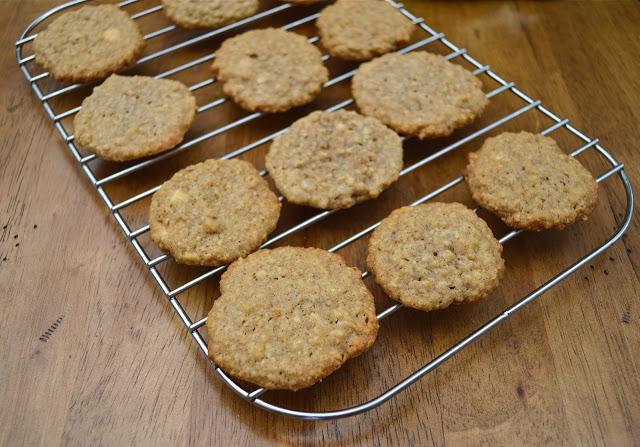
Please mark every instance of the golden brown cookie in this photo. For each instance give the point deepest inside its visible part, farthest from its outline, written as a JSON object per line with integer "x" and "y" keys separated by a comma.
{"x": 208, "y": 13}
{"x": 129, "y": 117}
{"x": 289, "y": 317}
{"x": 431, "y": 256}
{"x": 212, "y": 213}
{"x": 270, "y": 70}
{"x": 88, "y": 44}
{"x": 359, "y": 30}
{"x": 530, "y": 183}
{"x": 418, "y": 94}
{"x": 334, "y": 160}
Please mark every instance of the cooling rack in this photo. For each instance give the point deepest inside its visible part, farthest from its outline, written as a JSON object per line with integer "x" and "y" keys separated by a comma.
{"x": 172, "y": 292}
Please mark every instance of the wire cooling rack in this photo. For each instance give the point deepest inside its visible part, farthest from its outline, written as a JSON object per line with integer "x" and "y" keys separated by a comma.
{"x": 172, "y": 292}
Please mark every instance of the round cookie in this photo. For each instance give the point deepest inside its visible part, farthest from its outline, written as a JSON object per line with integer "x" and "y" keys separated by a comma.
{"x": 530, "y": 183}
{"x": 88, "y": 44}
{"x": 431, "y": 256}
{"x": 289, "y": 317}
{"x": 418, "y": 94}
{"x": 212, "y": 213}
{"x": 270, "y": 70}
{"x": 359, "y": 30}
{"x": 129, "y": 117}
{"x": 334, "y": 160}
{"x": 193, "y": 14}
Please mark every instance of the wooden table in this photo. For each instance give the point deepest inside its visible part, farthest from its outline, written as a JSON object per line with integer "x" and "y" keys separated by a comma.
{"x": 92, "y": 354}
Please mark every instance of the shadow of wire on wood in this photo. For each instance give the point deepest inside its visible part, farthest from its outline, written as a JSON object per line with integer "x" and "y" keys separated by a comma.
{"x": 49, "y": 332}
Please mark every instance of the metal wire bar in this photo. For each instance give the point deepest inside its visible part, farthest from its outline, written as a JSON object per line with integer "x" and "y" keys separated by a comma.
{"x": 324, "y": 214}
{"x": 179, "y": 46}
{"x": 395, "y": 307}
{"x": 464, "y": 342}
{"x": 206, "y": 82}
{"x": 429, "y": 196}
{"x": 446, "y": 355}
{"x": 144, "y": 194}
{"x": 234, "y": 124}
{"x": 172, "y": 295}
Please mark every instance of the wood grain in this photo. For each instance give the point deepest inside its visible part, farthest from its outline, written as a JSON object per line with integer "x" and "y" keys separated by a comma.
{"x": 92, "y": 354}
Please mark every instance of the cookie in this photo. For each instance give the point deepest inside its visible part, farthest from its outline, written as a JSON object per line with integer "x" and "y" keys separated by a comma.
{"x": 270, "y": 70}
{"x": 358, "y": 30}
{"x": 289, "y": 317}
{"x": 431, "y": 256}
{"x": 88, "y": 44}
{"x": 129, "y": 117}
{"x": 418, "y": 94}
{"x": 193, "y": 14}
{"x": 528, "y": 182}
{"x": 334, "y": 160}
{"x": 303, "y": 2}
{"x": 212, "y": 213}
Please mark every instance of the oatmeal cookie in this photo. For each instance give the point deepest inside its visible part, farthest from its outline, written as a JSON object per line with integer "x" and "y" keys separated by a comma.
{"x": 334, "y": 160}
{"x": 212, "y": 213}
{"x": 88, "y": 44}
{"x": 193, "y": 14}
{"x": 359, "y": 30}
{"x": 431, "y": 256}
{"x": 289, "y": 317}
{"x": 528, "y": 182}
{"x": 129, "y": 117}
{"x": 418, "y": 94}
{"x": 270, "y": 70}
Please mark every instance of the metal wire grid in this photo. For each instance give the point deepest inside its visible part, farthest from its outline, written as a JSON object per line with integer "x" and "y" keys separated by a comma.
{"x": 193, "y": 327}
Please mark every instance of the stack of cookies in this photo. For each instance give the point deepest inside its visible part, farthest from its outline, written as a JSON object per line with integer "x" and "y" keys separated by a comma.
{"x": 219, "y": 212}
